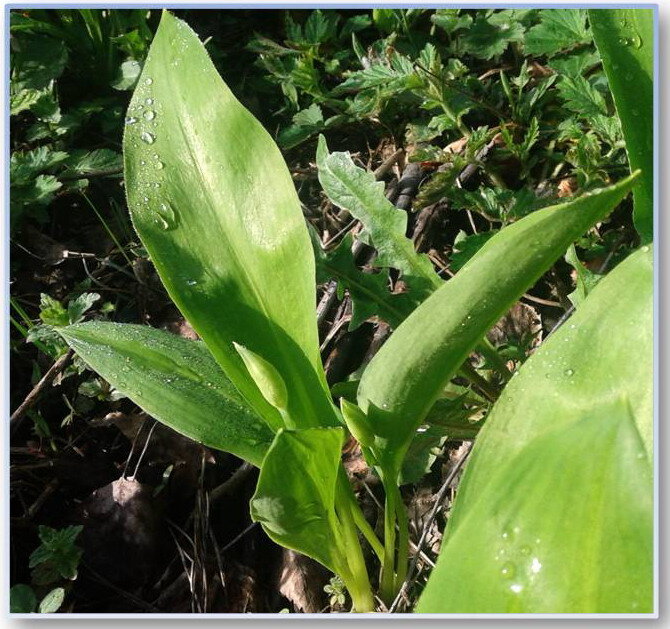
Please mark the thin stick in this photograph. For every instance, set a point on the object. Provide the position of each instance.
(32, 397)
(439, 499)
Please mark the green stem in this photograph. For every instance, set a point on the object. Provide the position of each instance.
(367, 531)
(491, 354)
(403, 541)
(355, 573)
(470, 373)
(387, 580)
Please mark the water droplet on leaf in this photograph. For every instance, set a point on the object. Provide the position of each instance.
(508, 570)
(147, 138)
(148, 81)
(149, 114)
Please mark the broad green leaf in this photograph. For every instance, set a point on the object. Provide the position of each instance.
(625, 40)
(559, 29)
(357, 191)
(562, 520)
(406, 376)
(214, 204)
(295, 495)
(174, 380)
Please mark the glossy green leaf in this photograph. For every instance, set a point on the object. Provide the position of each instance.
(406, 376)
(555, 510)
(625, 40)
(357, 191)
(295, 502)
(214, 203)
(174, 380)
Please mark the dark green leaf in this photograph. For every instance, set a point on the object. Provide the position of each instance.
(369, 292)
(489, 36)
(580, 96)
(22, 599)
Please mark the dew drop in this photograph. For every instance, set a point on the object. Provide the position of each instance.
(191, 282)
(126, 369)
(148, 81)
(569, 372)
(160, 165)
(624, 41)
(517, 588)
(149, 114)
(149, 101)
(162, 223)
(147, 138)
(508, 570)
(130, 120)
(146, 199)
(636, 41)
(535, 565)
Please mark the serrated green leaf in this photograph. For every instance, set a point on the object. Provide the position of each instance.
(84, 162)
(174, 380)
(369, 292)
(76, 308)
(576, 424)
(580, 96)
(24, 166)
(38, 61)
(489, 36)
(625, 40)
(586, 279)
(357, 191)
(449, 20)
(406, 376)
(558, 30)
(575, 63)
(225, 186)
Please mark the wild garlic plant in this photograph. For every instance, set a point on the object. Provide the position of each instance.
(564, 457)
